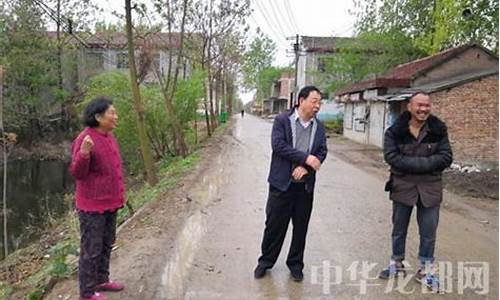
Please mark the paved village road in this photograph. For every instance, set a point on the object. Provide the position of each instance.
(350, 228)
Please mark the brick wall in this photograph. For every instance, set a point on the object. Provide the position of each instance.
(471, 114)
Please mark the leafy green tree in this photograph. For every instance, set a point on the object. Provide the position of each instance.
(259, 57)
(116, 85)
(264, 81)
(258, 73)
(29, 61)
(433, 25)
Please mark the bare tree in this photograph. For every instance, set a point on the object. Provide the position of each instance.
(138, 105)
(215, 21)
(169, 84)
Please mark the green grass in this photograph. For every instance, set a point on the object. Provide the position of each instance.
(5, 291)
(170, 171)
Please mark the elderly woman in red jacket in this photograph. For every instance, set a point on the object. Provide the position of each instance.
(96, 165)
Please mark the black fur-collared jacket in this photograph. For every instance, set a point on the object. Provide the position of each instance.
(417, 164)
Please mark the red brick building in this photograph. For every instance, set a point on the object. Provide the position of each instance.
(471, 112)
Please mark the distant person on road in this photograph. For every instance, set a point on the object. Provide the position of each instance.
(417, 149)
(298, 149)
(242, 113)
(97, 167)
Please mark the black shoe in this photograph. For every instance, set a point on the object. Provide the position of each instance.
(393, 270)
(297, 275)
(259, 272)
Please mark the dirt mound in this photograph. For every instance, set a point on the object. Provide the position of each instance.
(483, 184)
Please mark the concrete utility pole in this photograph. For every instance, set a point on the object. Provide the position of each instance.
(296, 50)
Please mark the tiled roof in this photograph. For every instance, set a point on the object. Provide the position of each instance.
(114, 40)
(401, 75)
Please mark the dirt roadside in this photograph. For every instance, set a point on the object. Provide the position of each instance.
(146, 242)
(474, 195)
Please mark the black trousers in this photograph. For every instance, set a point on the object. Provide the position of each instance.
(294, 204)
(97, 235)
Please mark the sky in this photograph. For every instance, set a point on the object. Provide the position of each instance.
(282, 19)
(303, 17)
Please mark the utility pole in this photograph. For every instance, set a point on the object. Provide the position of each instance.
(296, 50)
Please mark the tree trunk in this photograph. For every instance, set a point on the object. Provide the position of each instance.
(169, 88)
(207, 118)
(229, 94)
(211, 100)
(4, 194)
(64, 110)
(196, 130)
(218, 94)
(139, 106)
(223, 93)
(209, 70)
(178, 131)
(205, 104)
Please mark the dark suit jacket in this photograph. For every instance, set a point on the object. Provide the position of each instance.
(284, 156)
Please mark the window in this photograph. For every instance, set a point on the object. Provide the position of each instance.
(321, 65)
(359, 117)
(348, 115)
(95, 60)
(122, 60)
(157, 63)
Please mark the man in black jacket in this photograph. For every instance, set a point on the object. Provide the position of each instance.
(417, 149)
(299, 148)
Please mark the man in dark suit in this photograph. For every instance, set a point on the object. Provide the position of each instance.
(299, 148)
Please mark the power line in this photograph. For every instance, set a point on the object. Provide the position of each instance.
(267, 19)
(278, 38)
(278, 16)
(289, 11)
(53, 15)
(287, 18)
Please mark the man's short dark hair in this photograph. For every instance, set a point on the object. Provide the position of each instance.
(305, 91)
(418, 92)
(98, 105)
